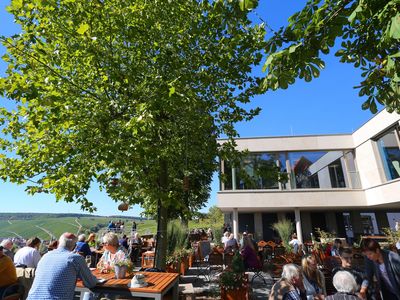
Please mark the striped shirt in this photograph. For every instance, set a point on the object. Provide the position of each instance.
(57, 273)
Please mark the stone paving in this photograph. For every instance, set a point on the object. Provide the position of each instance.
(209, 289)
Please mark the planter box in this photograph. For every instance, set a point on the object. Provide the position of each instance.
(235, 294)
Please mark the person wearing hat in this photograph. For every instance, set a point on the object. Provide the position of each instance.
(8, 273)
(58, 270)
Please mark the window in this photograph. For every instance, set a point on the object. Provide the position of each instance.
(260, 171)
(389, 149)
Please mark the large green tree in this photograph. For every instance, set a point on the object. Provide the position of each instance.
(369, 35)
(129, 94)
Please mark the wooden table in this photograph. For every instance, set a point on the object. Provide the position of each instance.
(158, 285)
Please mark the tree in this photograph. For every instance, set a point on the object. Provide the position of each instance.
(369, 32)
(215, 216)
(129, 94)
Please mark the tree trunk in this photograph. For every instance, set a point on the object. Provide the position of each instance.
(162, 220)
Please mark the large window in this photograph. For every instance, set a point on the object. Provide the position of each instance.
(306, 170)
(389, 149)
(259, 171)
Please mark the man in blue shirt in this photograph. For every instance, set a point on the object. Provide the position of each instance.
(58, 270)
(82, 247)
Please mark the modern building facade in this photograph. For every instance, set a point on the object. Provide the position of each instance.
(344, 183)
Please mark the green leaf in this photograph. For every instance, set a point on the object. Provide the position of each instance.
(16, 4)
(395, 27)
(354, 13)
(171, 91)
(248, 4)
(82, 28)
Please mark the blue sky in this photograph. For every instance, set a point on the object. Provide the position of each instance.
(327, 105)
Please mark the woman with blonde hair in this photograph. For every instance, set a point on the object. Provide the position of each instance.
(91, 240)
(313, 279)
(112, 254)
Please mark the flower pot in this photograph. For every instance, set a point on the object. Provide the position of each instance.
(191, 260)
(235, 294)
(120, 271)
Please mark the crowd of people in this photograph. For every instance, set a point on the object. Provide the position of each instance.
(64, 260)
(58, 269)
(379, 280)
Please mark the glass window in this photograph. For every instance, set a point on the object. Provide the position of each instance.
(318, 169)
(336, 174)
(388, 145)
(260, 171)
(304, 174)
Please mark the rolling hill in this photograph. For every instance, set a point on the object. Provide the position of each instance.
(47, 226)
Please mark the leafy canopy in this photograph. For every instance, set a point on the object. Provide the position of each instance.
(369, 32)
(119, 92)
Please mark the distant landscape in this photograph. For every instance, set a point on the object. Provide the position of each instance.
(49, 226)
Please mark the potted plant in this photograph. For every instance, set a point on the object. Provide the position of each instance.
(121, 267)
(234, 281)
(285, 229)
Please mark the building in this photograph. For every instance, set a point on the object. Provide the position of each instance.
(343, 183)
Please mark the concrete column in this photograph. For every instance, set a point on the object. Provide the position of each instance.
(233, 178)
(222, 168)
(298, 224)
(235, 224)
(258, 226)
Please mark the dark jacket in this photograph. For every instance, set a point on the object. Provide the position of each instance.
(392, 265)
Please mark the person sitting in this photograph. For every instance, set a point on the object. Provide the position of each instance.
(346, 257)
(346, 286)
(112, 253)
(58, 270)
(82, 247)
(313, 279)
(91, 241)
(337, 244)
(7, 248)
(29, 255)
(290, 286)
(249, 253)
(8, 273)
(385, 266)
(231, 244)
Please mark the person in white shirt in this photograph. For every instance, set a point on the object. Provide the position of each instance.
(29, 255)
(225, 238)
(295, 243)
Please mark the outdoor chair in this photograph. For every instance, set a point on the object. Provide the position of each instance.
(202, 257)
(268, 252)
(228, 257)
(147, 260)
(215, 263)
(279, 250)
(258, 272)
